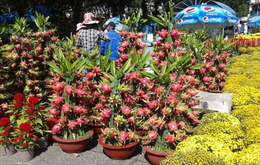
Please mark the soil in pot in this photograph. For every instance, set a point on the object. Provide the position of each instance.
(155, 157)
(118, 152)
(74, 145)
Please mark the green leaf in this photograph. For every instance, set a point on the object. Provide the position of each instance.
(150, 75)
(108, 75)
(173, 66)
(171, 10)
(39, 121)
(113, 68)
(126, 65)
(75, 63)
(105, 80)
(80, 64)
(135, 57)
(67, 63)
(54, 67)
(119, 74)
(154, 67)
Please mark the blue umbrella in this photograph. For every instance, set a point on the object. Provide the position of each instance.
(208, 16)
(254, 21)
(113, 19)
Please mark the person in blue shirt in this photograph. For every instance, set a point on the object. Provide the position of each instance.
(114, 42)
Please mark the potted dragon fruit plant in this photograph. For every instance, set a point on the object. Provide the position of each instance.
(170, 98)
(118, 101)
(71, 132)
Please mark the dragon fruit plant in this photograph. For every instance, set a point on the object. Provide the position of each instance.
(119, 88)
(170, 94)
(27, 57)
(213, 74)
(66, 91)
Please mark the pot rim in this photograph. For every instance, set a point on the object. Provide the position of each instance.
(91, 132)
(147, 149)
(100, 141)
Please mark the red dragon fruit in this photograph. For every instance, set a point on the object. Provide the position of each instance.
(170, 139)
(173, 126)
(163, 33)
(176, 87)
(78, 109)
(68, 90)
(56, 128)
(126, 110)
(66, 108)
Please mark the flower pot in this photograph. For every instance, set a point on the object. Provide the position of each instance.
(97, 127)
(215, 91)
(25, 155)
(155, 157)
(43, 142)
(118, 152)
(8, 150)
(74, 145)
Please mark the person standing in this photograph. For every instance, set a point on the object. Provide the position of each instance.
(90, 36)
(245, 28)
(114, 42)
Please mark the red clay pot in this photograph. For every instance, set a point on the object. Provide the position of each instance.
(155, 157)
(97, 127)
(74, 145)
(118, 152)
(215, 91)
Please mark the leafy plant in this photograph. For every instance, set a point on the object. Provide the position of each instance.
(134, 21)
(164, 21)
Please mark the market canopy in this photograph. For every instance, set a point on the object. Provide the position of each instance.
(186, 3)
(205, 16)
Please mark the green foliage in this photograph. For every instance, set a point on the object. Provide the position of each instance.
(164, 21)
(134, 20)
(41, 22)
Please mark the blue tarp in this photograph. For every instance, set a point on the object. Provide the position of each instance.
(29, 15)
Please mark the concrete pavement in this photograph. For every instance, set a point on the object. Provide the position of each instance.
(93, 155)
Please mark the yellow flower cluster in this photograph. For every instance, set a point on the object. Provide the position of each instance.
(223, 126)
(250, 155)
(227, 139)
(193, 157)
(243, 80)
(250, 36)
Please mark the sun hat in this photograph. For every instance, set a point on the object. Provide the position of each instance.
(89, 19)
(80, 26)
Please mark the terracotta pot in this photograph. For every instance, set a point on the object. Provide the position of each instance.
(215, 91)
(155, 157)
(118, 152)
(8, 150)
(74, 145)
(97, 127)
(25, 155)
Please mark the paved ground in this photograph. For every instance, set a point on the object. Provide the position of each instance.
(92, 156)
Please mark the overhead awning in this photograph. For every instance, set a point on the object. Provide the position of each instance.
(186, 3)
